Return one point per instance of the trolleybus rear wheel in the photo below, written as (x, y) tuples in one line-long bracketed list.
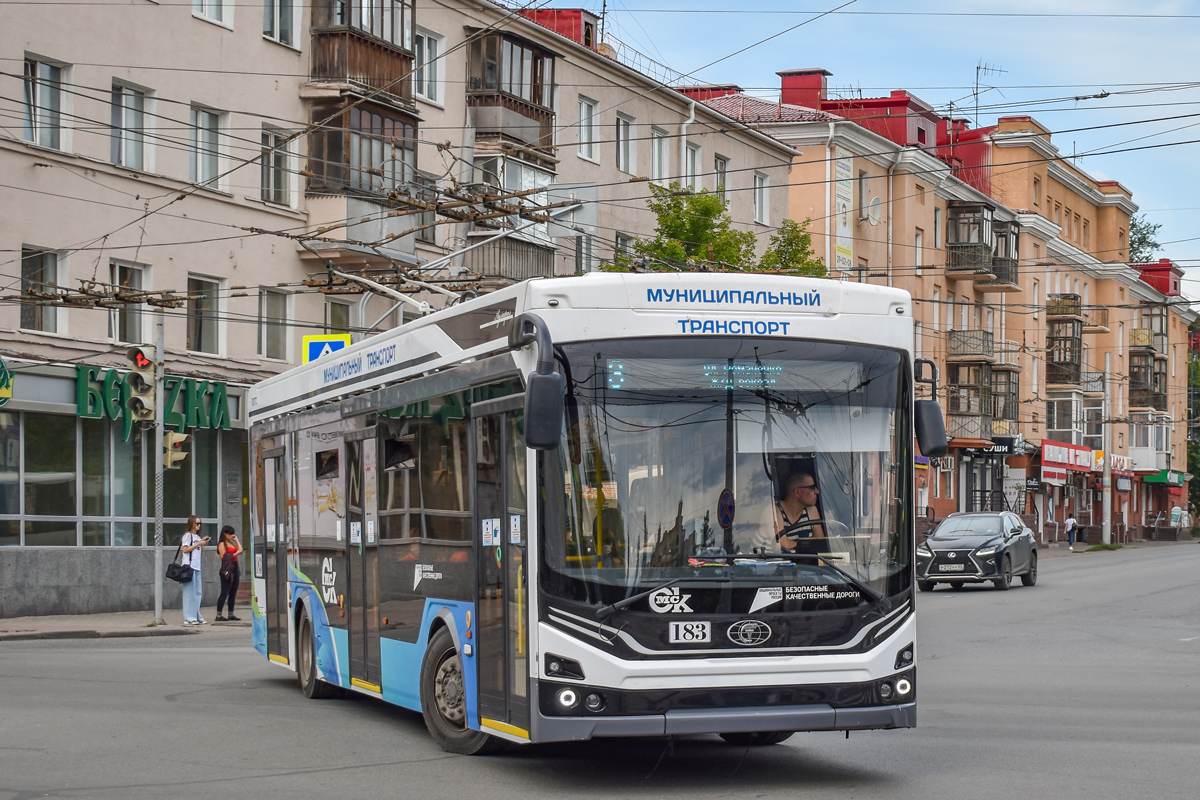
[(757, 739), (306, 663), (444, 700)]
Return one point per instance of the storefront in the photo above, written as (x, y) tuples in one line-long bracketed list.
[(1066, 471), (983, 476), (77, 481), (1166, 491)]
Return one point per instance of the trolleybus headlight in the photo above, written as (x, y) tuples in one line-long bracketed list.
[(593, 702), (905, 657), (567, 698), (885, 691), (903, 687)]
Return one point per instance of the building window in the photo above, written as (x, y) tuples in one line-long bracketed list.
[(919, 248), (937, 228), (205, 149), (1075, 230), (277, 21), (720, 175), (125, 321), (658, 155), (920, 189), (863, 201), (272, 324), (1087, 238), (587, 128), (691, 167), (274, 167), (209, 9), (427, 66), (337, 316), (381, 151), (1120, 245), (760, 198), (389, 20), (937, 310), (625, 152), (128, 127), (623, 247), (39, 275), (202, 315), (43, 103), (1036, 291)]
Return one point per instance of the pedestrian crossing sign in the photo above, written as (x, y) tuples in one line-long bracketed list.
[(323, 344)]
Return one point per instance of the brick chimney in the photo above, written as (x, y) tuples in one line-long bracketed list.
[(803, 87)]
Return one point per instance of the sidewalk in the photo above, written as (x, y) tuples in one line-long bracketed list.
[(1052, 550), (117, 625)]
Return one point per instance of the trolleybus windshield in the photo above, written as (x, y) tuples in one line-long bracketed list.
[(679, 454)]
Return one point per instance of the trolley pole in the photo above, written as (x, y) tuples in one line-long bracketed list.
[(1106, 443), (156, 457)]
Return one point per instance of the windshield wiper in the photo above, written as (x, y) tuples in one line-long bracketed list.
[(878, 597), (604, 612)]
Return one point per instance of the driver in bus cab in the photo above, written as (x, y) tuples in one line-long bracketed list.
[(795, 515)]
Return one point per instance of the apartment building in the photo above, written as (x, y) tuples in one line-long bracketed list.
[(1018, 262), (222, 163)]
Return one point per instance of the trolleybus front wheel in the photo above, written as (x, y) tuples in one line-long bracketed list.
[(444, 700), (306, 666), (757, 739)]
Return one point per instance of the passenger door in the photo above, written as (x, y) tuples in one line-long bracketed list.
[(274, 567), (501, 523), (362, 560)]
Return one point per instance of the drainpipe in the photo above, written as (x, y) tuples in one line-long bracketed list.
[(830, 220), (891, 172), (683, 142)]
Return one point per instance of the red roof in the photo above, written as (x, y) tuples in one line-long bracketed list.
[(748, 109)]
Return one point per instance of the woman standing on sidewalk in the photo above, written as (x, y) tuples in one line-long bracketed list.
[(193, 590), (231, 571)]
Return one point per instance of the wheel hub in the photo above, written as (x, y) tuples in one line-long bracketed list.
[(448, 691)]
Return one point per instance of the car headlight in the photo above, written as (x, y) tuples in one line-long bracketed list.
[(987, 552), (923, 550)]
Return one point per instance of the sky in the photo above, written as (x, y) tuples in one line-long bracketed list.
[(1056, 55)]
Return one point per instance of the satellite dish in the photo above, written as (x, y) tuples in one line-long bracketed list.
[(873, 210)]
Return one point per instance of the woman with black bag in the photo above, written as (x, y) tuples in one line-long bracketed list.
[(192, 547), (231, 571)]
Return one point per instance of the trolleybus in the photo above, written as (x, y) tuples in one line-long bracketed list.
[(554, 512)]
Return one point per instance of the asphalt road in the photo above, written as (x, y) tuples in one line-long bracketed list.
[(1087, 685)]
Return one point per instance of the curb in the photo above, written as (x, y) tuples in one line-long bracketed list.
[(18, 637)]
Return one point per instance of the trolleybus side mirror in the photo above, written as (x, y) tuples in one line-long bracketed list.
[(545, 388), (928, 422)]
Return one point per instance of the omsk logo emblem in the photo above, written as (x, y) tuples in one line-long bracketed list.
[(6, 383), (670, 600)]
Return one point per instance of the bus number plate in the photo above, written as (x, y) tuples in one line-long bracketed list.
[(683, 632), (953, 567)]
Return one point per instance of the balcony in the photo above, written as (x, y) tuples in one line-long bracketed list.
[(347, 58), (1064, 305), (1008, 356), (373, 222), (969, 427), (1148, 339), (1005, 427), (1063, 374), (511, 260), (1095, 319), (969, 261), (495, 112), (1147, 458), (1006, 278), (1142, 397), (971, 345), (1092, 383)]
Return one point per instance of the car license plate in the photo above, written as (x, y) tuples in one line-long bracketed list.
[(683, 632), (952, 567)]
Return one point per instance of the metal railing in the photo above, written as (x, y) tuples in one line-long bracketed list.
[(1095, 318), (1064, 305), (346, 55), (972, 258), (1092, 382), (1065, 374), (1007, 354), (1005, 270), (511, 259), (1148, 338), (977, 344)]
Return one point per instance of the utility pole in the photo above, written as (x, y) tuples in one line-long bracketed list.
[(160, 356), (1106, 443)]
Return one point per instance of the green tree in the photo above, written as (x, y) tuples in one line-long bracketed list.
[(1143, 244), (791, 251), (694, 225)]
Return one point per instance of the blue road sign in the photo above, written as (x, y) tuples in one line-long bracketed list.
[(323, 344)]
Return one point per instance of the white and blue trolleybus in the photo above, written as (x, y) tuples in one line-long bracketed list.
[(607, 505)]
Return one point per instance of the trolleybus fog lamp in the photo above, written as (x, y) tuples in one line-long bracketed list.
[(885, 691), (903, 687), (553, 667), (567, 698), (593, 702), (905, 657)]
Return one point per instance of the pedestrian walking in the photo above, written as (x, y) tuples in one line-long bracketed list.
[(193, 590), (229, 549), (1071, 525)]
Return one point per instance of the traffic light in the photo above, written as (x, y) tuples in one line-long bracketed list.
[(141, 383), (173, 452)]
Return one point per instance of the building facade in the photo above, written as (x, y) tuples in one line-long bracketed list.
[(225, 180)]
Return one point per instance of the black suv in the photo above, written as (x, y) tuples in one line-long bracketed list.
[(986, 546)]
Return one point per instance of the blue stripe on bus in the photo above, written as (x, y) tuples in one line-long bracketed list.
[(400, 662)]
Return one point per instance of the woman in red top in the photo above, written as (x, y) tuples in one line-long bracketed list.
[(229, 549)]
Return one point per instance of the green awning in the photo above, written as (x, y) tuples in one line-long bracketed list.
[(1167, 476)]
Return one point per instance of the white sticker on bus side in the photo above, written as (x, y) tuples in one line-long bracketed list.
[(514, 529), (355, 533), (488, 533), (270, 534)]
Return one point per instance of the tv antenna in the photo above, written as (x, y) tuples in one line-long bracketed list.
[(983, 68)]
